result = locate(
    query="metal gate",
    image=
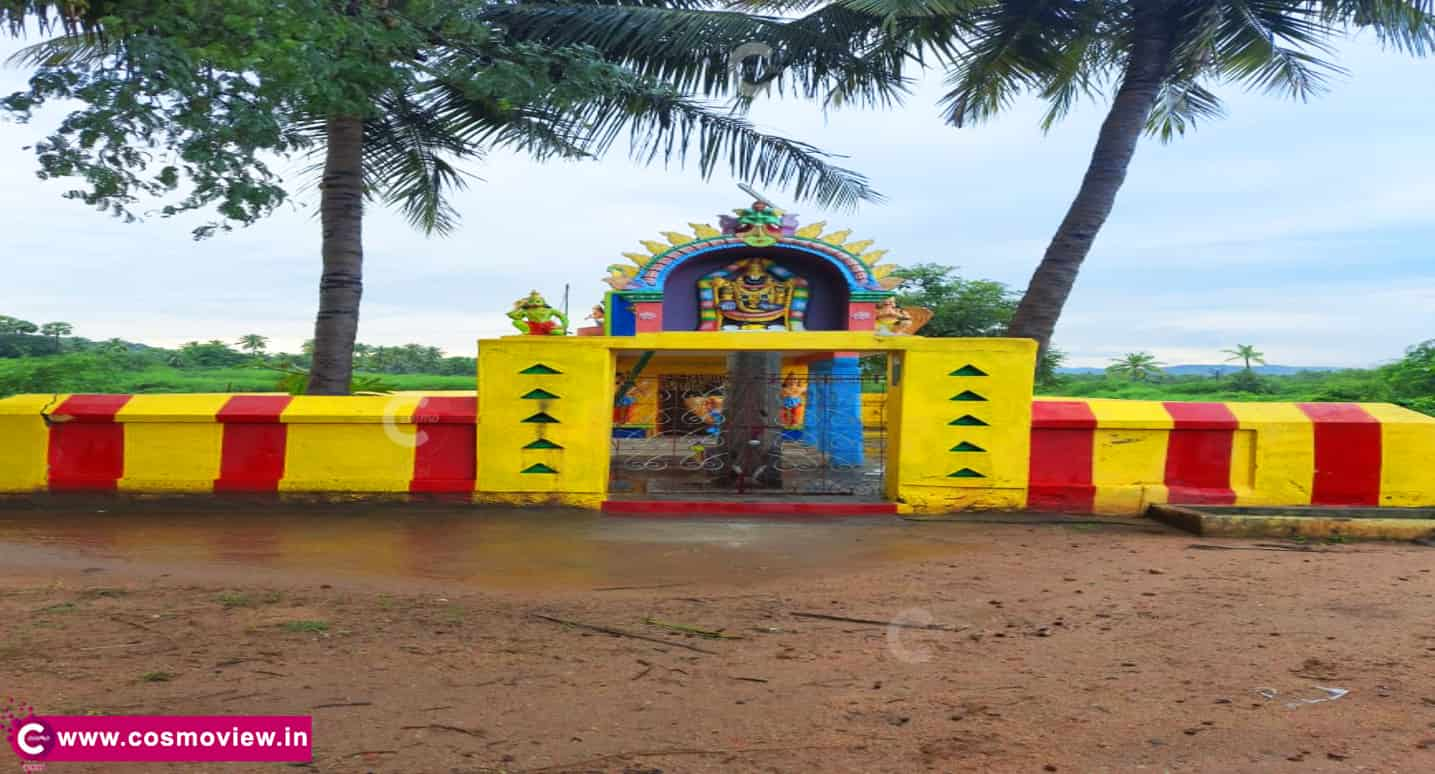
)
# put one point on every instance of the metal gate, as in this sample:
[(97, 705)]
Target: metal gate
[(676, 434)]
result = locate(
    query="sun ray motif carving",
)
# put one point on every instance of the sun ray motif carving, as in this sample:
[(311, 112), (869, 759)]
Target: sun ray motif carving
[(811, 232), (856, 260)]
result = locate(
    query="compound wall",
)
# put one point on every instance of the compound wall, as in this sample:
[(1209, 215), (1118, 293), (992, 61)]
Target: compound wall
[(1119, 456), (963, 432), (403, 443)]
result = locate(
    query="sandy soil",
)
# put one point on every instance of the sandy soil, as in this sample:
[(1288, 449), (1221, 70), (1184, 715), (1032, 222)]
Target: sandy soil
[(1060, 649)]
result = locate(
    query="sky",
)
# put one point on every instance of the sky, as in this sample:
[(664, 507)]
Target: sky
[(1306, 229)]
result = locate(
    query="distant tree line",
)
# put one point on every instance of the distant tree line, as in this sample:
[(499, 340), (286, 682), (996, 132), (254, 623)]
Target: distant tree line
[(22, 338)]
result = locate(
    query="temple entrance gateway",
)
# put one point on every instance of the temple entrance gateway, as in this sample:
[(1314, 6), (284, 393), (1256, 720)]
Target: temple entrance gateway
[(798, 430), (727, 360)]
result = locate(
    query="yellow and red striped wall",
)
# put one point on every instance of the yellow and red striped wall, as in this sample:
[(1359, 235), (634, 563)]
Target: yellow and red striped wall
[(1086, 455), (239, 443), (1119, 456)]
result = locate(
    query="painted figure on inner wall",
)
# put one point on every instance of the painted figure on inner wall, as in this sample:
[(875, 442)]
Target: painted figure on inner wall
[(897, 321), (708, 410), (794, 394), (752, 294), (532, 315)]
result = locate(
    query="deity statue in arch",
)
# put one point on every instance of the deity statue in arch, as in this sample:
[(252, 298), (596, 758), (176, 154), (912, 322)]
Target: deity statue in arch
[(752, 294)]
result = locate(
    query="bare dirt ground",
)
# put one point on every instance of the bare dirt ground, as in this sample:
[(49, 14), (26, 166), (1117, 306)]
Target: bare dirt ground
[(1068, 649)]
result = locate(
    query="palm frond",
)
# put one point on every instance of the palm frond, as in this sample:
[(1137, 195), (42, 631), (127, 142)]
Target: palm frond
[(1015, 47), (63, 49), (1179, 107), (694, 50), (407, 147), (664, 126)]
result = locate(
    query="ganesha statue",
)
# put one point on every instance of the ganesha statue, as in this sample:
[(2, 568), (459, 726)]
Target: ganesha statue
[(532, 315)]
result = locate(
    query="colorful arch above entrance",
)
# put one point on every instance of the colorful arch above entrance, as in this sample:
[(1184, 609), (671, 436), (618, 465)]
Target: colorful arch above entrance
[(804, 269)]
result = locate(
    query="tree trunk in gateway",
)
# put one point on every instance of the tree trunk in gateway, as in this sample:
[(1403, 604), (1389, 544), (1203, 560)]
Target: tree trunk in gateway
[(341, 213), (1051, 284), (751, 419)]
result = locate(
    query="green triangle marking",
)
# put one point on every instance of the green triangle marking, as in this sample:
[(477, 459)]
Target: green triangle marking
[(542, 419), (539, 368), (963, 473), (538, 468), (967, 446), (968, 370), (965, 420), (541, 394), (543, 443), (966, 395)]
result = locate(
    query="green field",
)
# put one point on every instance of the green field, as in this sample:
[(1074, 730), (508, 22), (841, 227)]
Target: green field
[(64, 374)]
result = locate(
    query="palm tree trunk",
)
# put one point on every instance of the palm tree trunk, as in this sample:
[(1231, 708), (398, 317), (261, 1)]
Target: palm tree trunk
[(1051, 284), (341, 213), (751, 426)]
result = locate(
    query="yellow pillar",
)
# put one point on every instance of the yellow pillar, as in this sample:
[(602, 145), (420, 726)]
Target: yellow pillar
[(543, 433), (962, 409)]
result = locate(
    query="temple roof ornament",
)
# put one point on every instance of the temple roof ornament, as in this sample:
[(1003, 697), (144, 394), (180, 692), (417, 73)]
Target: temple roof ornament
[(760, 225)]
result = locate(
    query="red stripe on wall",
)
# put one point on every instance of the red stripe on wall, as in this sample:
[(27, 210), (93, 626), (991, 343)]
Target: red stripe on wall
[(1198, 454), (252, 457), (446, 458), (1347, 454), (1062, 434), (87, 445)]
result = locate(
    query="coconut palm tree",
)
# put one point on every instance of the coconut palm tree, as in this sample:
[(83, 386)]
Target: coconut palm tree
[(1136, 366), (1247, 353), (253, 343), (1158, 61), (417, 108)]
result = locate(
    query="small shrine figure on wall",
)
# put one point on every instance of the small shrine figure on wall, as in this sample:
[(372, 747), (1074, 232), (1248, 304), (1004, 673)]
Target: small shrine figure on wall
[(752, 294), (532, 315), (893, 320)]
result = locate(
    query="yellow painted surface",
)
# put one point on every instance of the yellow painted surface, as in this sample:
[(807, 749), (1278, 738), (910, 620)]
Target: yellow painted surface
[(1129, 454), (874, 409), (768, 341), (397, 408), (171, 457), (348, 457), (189, 408), (1275, 461), (25, 442), (896, 365), (359, 443), (583, 410), (1407, 441), (925, 435), (172, 443)]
